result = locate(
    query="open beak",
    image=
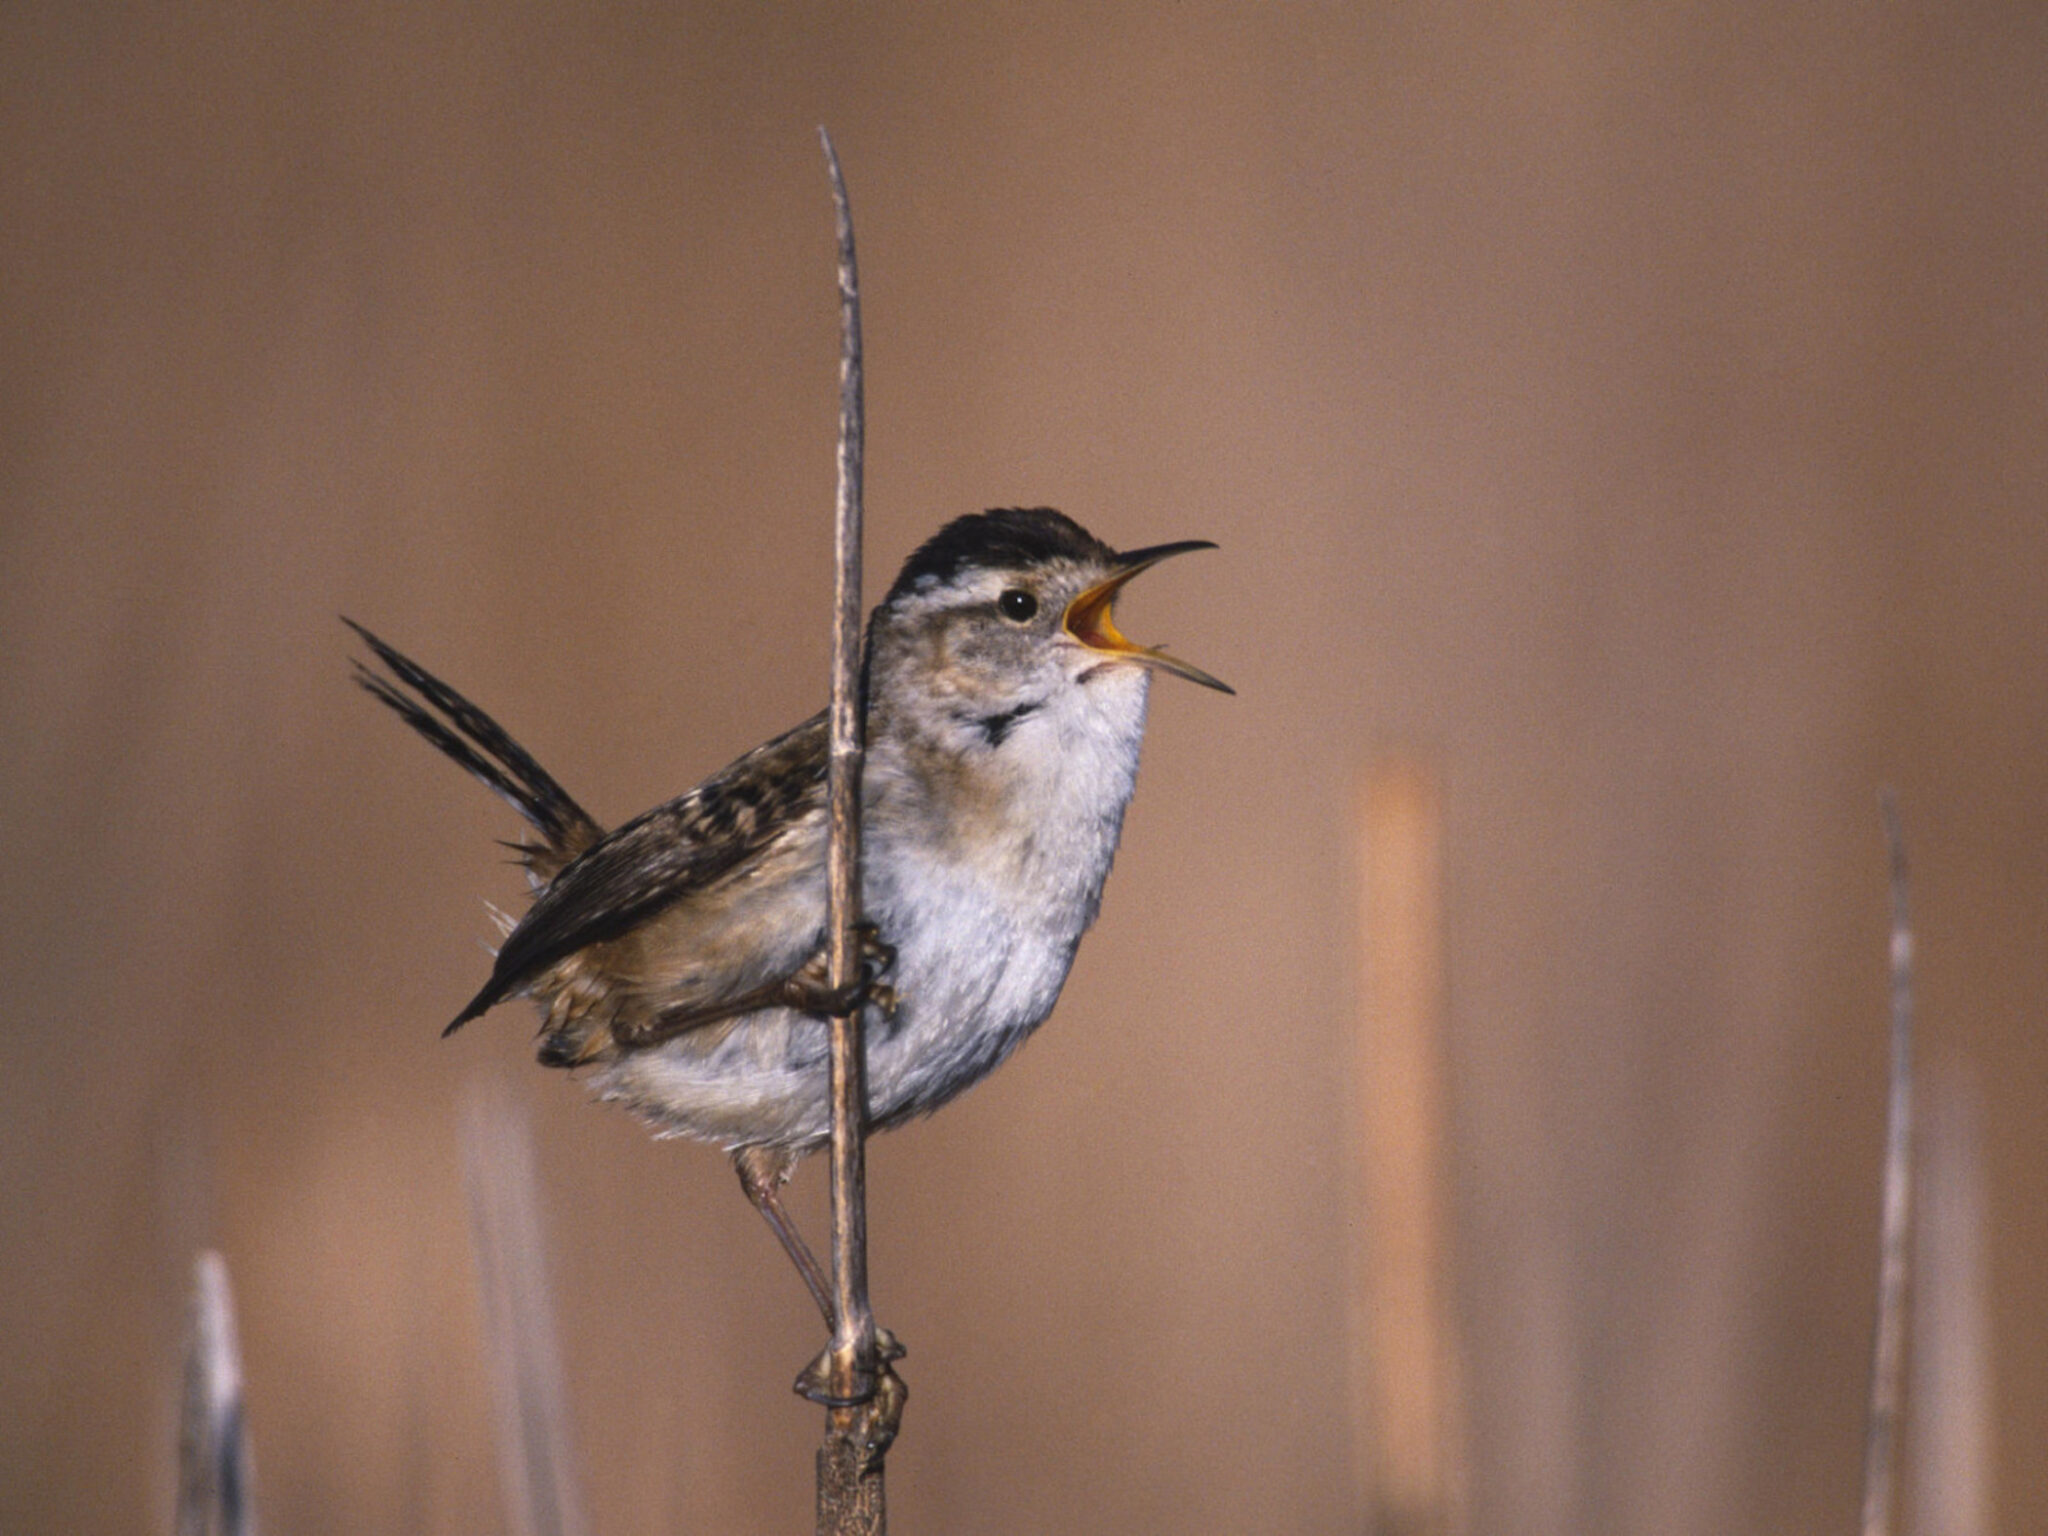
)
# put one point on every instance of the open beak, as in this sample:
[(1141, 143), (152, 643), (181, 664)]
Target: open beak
[(1089, 621)]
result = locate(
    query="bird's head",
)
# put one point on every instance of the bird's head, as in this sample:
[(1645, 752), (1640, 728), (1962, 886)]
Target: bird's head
[(1000, 614)]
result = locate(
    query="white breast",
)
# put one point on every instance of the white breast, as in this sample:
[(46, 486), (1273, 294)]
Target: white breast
[(989, 921)]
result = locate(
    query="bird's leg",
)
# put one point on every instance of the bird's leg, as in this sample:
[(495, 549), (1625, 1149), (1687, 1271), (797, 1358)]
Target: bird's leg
[(763, 1171), (804, 989)]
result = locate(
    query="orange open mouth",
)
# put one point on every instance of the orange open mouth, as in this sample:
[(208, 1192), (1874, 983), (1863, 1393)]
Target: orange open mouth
[(1090, 621)]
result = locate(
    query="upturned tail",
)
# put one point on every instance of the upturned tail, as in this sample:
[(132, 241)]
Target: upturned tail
[(476, 741)]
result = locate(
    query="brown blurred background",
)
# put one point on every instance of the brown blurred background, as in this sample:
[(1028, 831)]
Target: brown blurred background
[(1635, 418)]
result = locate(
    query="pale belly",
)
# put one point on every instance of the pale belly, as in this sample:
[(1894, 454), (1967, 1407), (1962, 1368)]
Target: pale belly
[(972, 983)]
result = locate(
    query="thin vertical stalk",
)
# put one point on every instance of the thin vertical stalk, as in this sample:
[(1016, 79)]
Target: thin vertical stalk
[(853, 1335), (1405, 1377), (1888, 1345), (216, 1486), (535, 1465), (849, 1464), (1948, 1461)]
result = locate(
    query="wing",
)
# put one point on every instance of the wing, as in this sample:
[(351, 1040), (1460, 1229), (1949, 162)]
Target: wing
[(731, 820)]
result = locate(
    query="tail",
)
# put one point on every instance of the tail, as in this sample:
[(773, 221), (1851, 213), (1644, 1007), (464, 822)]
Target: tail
[(481, 745)]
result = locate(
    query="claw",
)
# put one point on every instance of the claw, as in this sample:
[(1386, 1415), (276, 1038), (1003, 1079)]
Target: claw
[(874, 950), (877, 958), (878, 1402), (882, 1418)]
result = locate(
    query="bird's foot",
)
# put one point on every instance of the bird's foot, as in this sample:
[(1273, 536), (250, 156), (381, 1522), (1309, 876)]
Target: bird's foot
[(874, 951), (810, 991), (877, 958), (815, 1380), (877, 1395)]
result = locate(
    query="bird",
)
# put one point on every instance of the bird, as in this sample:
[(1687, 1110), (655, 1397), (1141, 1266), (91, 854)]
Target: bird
[(677, 960)]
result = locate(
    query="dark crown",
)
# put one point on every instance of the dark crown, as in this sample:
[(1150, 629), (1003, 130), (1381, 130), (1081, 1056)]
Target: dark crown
[(1004, 538)]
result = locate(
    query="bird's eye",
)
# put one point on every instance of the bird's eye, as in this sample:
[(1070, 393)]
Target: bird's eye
[(1017, 604)]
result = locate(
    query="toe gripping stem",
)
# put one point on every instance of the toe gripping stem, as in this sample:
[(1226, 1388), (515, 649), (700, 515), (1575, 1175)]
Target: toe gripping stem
[(872, 1395), (809, 992), (806, 990)]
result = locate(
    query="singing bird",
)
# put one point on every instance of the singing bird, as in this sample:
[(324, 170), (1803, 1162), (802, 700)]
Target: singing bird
[(678, 960)]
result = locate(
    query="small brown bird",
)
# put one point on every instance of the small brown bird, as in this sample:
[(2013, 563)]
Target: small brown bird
[(679, 958)]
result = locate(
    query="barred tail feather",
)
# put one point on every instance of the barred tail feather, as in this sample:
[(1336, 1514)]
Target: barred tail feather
[(476, 741)]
